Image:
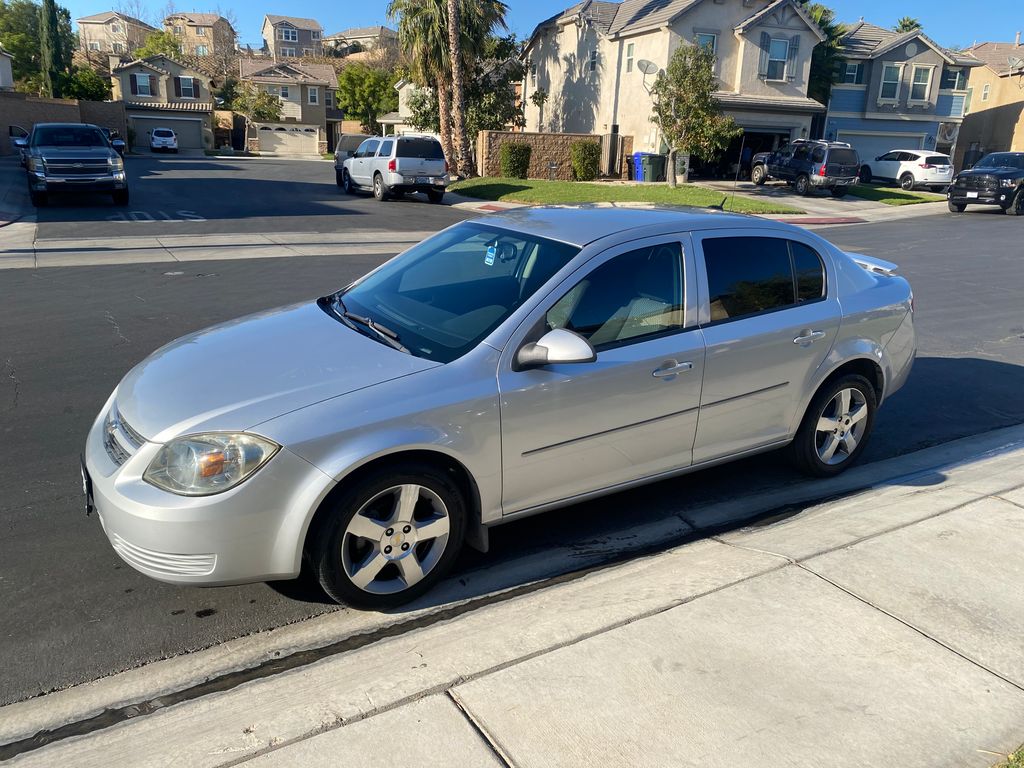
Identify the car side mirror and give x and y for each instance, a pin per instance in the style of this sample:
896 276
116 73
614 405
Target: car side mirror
117 144
554 347
21 143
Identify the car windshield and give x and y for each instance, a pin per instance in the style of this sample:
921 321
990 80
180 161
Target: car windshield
937 160
424 149
443 296
843 156
1002 160
68 136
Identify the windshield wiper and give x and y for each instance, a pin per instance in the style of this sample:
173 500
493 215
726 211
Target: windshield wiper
384 333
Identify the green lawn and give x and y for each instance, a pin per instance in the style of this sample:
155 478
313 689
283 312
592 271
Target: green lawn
892 195
555 192
1016 760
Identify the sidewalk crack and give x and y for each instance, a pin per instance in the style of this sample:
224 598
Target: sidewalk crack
492 743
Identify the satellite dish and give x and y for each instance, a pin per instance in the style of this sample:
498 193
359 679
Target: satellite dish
647 67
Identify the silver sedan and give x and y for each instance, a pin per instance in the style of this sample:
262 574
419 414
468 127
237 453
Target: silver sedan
503 367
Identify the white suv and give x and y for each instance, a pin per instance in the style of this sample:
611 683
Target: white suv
394 165
163 140
911 168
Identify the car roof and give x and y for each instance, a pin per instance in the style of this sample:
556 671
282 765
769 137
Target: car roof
580 225
65 125
921 151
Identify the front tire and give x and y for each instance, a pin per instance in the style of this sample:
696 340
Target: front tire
346 183
865 174
758 175
39 199
954 208
836 427
120 197
803 185
907 182
435 196
390 538
337 177
1016 206
380 189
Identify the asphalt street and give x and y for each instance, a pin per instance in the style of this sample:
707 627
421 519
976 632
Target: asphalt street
73 612
198 195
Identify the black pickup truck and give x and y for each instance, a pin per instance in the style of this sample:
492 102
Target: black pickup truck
808 165
996 179
72 157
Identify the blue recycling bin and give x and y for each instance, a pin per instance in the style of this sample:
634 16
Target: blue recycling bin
638 166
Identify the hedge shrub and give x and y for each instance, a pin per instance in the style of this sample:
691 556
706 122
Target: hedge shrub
586 160
515 159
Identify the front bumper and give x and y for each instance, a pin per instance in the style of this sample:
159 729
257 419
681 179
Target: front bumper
960 196
252 532
105 183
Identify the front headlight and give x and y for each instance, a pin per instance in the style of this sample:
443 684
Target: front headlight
199 465
37 165
1008 182
116 164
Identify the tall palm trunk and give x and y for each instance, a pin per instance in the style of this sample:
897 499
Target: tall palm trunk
460 137
444 114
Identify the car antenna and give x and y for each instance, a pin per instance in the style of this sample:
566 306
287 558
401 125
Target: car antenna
736 178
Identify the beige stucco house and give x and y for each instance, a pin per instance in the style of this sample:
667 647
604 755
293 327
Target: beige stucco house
359 39
994 120
286 37
306 92
202 34
112 32
159 92
590 59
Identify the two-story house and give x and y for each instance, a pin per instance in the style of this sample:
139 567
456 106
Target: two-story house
306 92
286 37
159 92
112 32
897 91
597 62
202 34
359 39
994 113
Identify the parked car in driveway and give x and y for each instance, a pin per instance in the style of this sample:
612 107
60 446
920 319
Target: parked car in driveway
345 147
163 140
996 179
809 165
500 368
72 157
115 140
910 168
395 165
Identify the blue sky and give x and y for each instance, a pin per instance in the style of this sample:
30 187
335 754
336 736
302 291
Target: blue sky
949 22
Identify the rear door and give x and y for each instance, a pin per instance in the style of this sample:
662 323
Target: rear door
779 162
769 316
842 162
419 157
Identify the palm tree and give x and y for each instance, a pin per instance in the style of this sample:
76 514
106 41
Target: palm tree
461 137
907 24
825 58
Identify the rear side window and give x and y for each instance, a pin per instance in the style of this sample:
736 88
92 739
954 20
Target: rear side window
818 155
751 275
843 156
385 148
424 149
370 148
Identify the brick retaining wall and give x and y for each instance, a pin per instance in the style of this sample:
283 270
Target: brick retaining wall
546 148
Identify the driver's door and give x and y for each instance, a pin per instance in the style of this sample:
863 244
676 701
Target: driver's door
886 167
568 429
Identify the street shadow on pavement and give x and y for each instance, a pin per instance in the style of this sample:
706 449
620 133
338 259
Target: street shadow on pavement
944 399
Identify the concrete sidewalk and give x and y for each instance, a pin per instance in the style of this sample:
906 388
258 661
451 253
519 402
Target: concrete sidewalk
882 629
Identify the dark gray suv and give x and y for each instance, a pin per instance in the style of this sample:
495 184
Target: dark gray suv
808 165
72 157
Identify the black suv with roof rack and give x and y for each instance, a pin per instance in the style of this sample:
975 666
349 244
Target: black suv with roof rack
996 179
807 164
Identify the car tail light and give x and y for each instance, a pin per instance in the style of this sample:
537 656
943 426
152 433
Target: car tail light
822 172
392 165
926 165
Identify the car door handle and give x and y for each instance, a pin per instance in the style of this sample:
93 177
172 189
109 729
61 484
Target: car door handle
671 368
808 336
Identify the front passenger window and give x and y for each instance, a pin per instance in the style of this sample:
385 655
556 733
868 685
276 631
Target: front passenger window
630 297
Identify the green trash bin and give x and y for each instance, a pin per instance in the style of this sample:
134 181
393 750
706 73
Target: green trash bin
654 167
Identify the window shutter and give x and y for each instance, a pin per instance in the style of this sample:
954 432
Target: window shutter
177 87
766 43
152 85
195 87
134 84
791 61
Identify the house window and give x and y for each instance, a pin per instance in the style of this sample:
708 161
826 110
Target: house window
284 91
188 87
629 57
533 75
116 28
778 52
287 51
329 99
202 50
117 47
953 80
179 30
288 34
592 65
709 41
93 45
985 91
853 74
142 85
890 82
921 84
201 31
314 95
315 34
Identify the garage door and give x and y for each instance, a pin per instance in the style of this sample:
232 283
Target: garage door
870 146
288 142
190 132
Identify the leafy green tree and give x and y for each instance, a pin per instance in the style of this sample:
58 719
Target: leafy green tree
685 108
85 84
51 58
256 105
365 93
228 91
907 24
20 36
825 58
159 44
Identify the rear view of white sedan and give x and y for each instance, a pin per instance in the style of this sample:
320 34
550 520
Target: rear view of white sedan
910 168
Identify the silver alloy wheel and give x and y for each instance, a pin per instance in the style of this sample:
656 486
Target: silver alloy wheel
907 182
841 426
395 539
378 187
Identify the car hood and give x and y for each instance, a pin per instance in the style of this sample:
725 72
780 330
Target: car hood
238 374
999 171
78 153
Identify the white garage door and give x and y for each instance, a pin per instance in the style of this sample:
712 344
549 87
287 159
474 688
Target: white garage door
869 146
190 132
288 142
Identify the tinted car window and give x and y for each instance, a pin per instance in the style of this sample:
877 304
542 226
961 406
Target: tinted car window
628 298
425 149
747 275
801 152
162 133
370 148
843 156
890 156
385 148
68 136
818 155
937 160
1002 160
809 271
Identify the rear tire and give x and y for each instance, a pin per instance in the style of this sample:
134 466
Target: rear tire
822 446
120 197
865 174
337 177
380 190
954 208
1016 206
803 185
39 199
758 175
435 196
838 191
907 182
340 550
